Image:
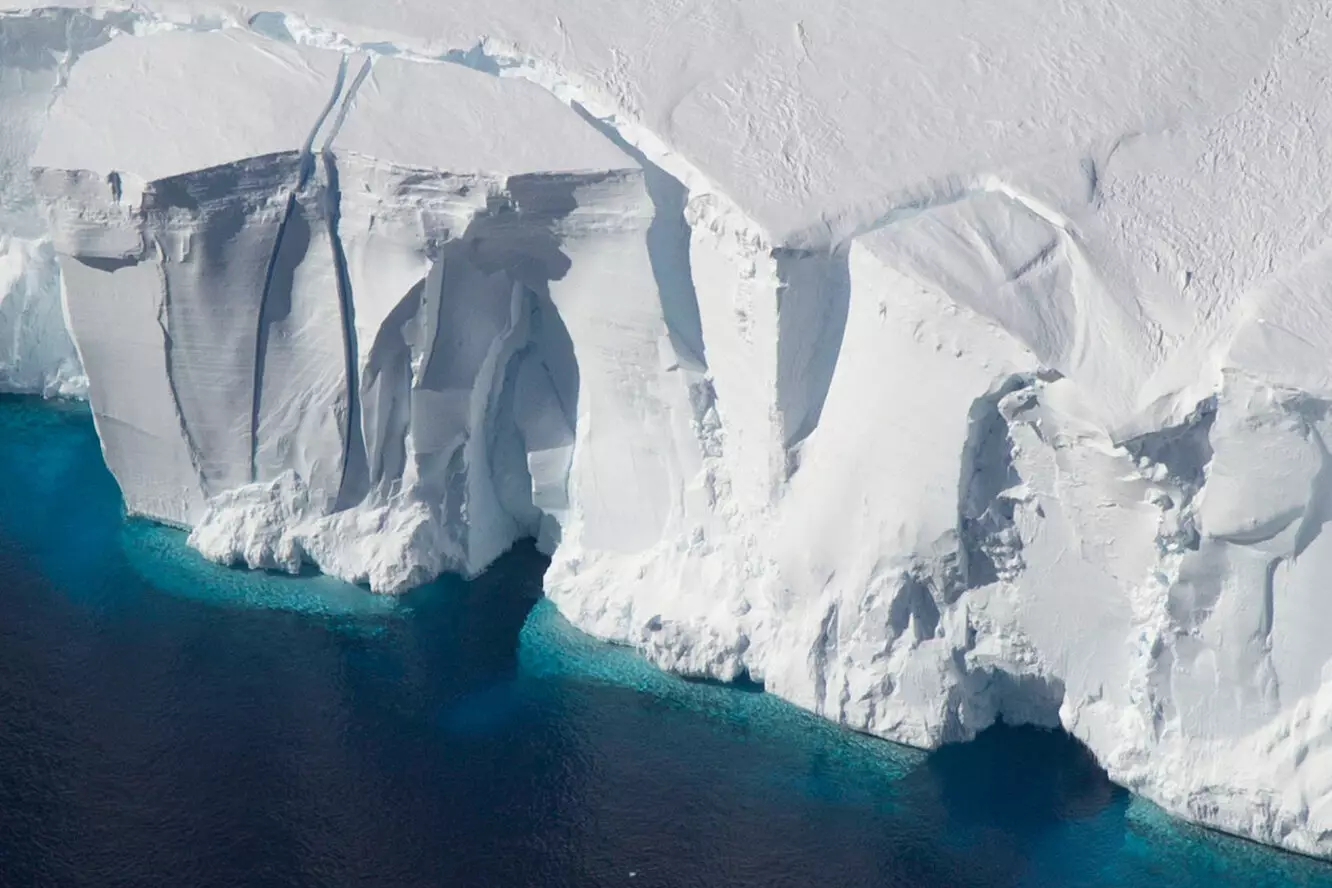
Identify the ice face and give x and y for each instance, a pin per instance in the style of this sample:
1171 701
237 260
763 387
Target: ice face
323 324
924 387
36 353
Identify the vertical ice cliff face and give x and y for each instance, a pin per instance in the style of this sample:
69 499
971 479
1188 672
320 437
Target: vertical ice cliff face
168 268
320 330
1001 395
36 51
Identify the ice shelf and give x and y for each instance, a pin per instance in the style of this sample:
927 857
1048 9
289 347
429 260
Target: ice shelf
924 362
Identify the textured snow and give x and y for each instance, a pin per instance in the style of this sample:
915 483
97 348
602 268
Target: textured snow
929 363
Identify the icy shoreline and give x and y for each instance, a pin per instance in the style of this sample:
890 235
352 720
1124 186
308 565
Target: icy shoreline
951 454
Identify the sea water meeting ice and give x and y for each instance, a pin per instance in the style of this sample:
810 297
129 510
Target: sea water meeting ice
929 363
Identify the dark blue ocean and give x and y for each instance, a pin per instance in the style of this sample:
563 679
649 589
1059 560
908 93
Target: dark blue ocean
166 722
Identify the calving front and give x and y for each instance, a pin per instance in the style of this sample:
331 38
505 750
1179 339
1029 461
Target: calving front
964 447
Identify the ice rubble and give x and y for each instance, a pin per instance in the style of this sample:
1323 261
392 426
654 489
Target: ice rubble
975 376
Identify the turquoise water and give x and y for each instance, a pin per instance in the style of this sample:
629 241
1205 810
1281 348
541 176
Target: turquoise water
165 721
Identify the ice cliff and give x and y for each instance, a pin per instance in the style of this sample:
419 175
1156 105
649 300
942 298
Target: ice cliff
929 364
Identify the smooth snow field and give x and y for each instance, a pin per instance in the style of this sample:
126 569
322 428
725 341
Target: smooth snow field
168 722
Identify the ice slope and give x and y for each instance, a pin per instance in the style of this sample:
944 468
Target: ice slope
926 362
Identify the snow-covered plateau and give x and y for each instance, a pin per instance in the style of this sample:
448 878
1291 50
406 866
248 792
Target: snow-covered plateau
929 362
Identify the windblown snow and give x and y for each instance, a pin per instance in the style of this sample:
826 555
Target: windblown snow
928 363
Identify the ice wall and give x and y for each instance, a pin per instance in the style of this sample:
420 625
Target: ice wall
997 395
311 321
36 51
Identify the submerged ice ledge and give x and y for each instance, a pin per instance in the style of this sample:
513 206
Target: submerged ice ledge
943 457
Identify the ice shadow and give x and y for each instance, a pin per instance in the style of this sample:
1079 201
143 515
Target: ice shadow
1005 794
813 303
668 238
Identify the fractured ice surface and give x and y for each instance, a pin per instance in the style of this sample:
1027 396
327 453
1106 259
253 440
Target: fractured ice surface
929 364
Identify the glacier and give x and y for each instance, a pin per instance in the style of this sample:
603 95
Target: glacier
928 364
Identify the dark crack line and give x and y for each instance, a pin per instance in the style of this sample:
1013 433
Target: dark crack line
307 150
261 336
307 168
347 101
353 443
163 323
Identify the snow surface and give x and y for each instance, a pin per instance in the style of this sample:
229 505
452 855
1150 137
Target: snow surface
927 362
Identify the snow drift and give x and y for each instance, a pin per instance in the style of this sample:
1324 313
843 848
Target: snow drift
980 377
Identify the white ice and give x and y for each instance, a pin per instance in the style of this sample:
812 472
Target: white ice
928 362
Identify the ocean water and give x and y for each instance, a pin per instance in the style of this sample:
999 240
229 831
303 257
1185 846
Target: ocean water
166 722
